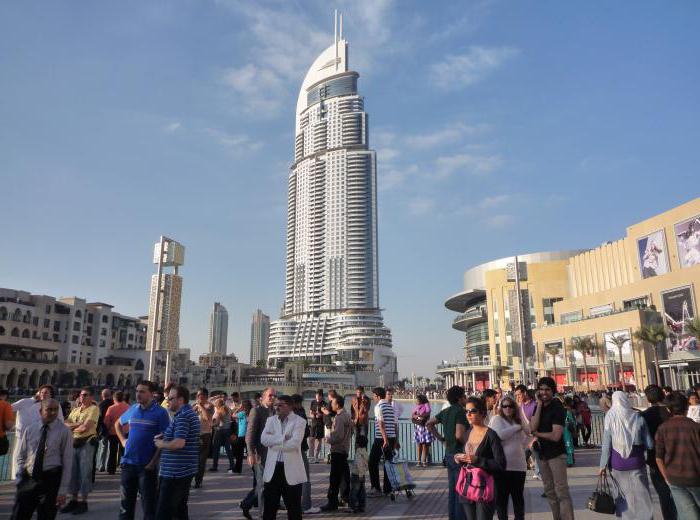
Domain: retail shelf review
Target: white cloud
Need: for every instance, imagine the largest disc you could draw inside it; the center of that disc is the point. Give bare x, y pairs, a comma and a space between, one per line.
172, 127
395, 176
420, 206
467, 163
233, 142
494, 201
447, 135
499, 221
461, 70
385, 155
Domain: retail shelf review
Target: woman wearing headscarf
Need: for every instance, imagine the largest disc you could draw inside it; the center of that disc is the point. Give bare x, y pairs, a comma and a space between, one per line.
625, 442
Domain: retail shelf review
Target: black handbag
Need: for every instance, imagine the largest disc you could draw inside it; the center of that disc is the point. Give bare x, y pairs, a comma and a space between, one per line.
4, 445
602, 500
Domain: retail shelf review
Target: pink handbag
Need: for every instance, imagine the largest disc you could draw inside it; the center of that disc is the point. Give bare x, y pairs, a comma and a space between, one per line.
475, 485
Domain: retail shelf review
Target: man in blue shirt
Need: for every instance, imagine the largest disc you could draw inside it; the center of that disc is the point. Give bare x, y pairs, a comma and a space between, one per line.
144, 420
179, 457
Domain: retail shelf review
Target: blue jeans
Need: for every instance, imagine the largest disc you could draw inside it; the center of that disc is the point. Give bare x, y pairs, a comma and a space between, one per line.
81, 476
454, 508
668, 506
687, 501
137, 480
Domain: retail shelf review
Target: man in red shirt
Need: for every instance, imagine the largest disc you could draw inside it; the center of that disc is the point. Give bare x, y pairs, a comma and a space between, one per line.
7, 421
114, 447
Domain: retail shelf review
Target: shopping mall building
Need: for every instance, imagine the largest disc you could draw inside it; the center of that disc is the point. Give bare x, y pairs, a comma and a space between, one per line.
649, 276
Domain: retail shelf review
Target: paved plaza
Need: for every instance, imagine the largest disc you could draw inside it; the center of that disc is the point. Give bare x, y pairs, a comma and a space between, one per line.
219, 497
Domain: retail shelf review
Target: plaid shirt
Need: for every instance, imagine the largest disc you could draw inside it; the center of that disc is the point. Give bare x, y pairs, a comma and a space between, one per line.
678, 446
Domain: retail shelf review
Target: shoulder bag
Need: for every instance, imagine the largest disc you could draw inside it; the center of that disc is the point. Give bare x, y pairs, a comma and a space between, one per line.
602, 500
475, 484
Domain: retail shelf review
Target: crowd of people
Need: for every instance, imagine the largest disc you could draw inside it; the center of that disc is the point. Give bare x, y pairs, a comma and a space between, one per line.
163, 441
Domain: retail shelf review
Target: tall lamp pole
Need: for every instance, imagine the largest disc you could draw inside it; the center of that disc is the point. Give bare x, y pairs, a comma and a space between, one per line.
521, 322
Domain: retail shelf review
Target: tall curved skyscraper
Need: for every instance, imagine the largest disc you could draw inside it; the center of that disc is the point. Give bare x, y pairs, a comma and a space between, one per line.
331, 315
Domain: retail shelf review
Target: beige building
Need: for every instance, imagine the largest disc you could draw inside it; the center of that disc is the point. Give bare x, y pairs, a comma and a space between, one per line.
67, 342
650, 275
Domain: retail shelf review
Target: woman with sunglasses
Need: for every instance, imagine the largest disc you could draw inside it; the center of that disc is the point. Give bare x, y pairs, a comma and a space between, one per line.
513, 430
482, 450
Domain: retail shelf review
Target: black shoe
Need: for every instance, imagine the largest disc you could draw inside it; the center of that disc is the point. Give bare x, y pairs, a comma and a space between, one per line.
80, 508
544, 495
213, 469
246, 512
197, 485
328, 507
69, 507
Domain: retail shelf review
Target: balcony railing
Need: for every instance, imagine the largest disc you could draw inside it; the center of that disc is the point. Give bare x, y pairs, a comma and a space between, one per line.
479, 312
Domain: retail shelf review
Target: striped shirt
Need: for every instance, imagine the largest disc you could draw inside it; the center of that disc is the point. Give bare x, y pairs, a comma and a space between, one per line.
181, 463
384, 412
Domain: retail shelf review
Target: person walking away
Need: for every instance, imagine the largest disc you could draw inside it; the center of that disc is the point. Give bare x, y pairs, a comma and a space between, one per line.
306, 504
179, 456
257, 451
359, 411
103, 447
655, 415
358, 474
694, 407
44, 464
422, 436
238, 426
143, 421
513, 431
454, 423
284, 468
604, 402
625, 441
82, 421
384, 441
222, 437
7, 421
678, 457
114, 448
547, 429
482, 450
205, 412
27, 412
586, 422
316, 437
339, 441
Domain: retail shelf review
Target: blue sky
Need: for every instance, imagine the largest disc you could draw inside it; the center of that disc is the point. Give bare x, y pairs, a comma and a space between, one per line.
501, 128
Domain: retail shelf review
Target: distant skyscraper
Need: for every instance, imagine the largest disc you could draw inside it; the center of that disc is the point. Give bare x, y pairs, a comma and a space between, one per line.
259, 337
218, 329
331, 313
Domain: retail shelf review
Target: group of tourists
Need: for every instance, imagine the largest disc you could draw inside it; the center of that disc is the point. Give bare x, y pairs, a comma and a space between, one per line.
162, 443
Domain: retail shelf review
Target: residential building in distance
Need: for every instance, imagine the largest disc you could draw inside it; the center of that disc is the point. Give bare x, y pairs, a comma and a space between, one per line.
218, 329
259, 338
603, 294
67, 342
331, 316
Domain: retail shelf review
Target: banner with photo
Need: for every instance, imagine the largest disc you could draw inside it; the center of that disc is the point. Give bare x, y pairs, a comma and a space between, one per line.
679, 308
688, 241
653, 257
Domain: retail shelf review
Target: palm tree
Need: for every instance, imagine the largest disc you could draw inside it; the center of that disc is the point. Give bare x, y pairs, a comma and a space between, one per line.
584, 345
653, 334
619, 341
553, 350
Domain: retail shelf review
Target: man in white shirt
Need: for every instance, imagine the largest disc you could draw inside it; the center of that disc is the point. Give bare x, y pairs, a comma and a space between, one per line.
284, 467
397, 406
27, 412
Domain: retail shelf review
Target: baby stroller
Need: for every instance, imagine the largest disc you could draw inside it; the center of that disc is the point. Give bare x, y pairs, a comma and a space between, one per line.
399, 477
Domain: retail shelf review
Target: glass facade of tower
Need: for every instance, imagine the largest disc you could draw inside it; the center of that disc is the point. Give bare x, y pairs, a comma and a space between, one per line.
331, 314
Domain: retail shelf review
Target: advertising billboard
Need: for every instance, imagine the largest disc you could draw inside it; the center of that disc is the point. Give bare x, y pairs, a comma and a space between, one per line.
653, 257
679, 308
688, 241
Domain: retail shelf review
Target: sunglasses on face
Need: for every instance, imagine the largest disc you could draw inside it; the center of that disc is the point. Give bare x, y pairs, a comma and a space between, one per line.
507, 406
471, 411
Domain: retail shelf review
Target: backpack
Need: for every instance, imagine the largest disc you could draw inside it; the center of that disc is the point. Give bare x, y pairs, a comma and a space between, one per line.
475, 484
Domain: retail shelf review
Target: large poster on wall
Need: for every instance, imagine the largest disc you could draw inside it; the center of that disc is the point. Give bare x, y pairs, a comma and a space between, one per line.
653, 257
678, 308
688, 241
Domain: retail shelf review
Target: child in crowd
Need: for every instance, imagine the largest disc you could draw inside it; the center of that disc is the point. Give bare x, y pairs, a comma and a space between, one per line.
358, 472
